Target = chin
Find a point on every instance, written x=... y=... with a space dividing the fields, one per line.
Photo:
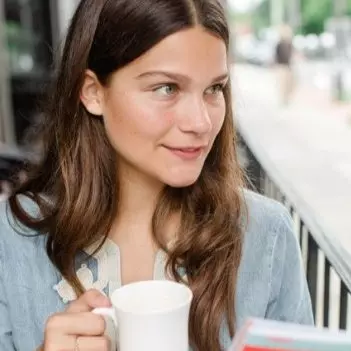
x=181 y=181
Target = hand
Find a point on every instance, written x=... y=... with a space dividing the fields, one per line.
x=78 y=329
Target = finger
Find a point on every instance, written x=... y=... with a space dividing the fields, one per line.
x=60 y=342
x=84 y=323
x=100 y=343
x=88 y=301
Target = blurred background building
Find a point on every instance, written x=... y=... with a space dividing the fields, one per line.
x=298 y=150
x=322 y=35
x=30 y=32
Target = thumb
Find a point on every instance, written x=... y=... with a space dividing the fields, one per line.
x=88 y=301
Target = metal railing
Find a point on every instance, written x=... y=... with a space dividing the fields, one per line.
x=328 y=272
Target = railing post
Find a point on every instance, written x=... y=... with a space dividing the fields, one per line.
x=326 y=296
x=312 y=270
x=253 y=168
x=343 y=306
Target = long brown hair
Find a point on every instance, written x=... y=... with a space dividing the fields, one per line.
x=78 y=174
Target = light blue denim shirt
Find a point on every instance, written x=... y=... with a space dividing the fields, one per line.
x=271 y=282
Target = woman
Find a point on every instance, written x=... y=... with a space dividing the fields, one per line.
x=139 y=180
x=283 y=58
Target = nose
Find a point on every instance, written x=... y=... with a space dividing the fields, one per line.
x=195 y=117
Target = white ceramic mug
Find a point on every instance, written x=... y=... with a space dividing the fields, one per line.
x=149 y=316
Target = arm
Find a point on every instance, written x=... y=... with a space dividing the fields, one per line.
x=289 y=299
x=6 y=343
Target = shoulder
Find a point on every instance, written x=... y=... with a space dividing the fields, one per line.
x=269 y=233
x=15 y=237
x=272 y=264
x=265 y=215
x=267 y=225
x=23 y=251
x=270 y=241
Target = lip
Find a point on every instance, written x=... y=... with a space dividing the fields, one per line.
x=187 y=153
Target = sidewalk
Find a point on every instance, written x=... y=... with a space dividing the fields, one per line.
x=309 y=142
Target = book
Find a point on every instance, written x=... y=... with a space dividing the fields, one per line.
x=265 y=335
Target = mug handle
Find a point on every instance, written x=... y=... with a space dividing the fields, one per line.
x=111 y=329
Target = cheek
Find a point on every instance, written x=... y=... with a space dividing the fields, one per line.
x=151 y=121
x=169 y=117
x=128 y=118
x=217 y=119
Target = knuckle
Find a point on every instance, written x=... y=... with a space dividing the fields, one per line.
x=100 y=324
x=105 y=344
x=53 y=322
x=91 y=294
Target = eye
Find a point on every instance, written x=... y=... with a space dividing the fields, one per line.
x=215 y=89
x=166 y=90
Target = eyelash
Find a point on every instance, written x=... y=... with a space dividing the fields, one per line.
x=166 y=85
x=217 y=87
x=220 y=87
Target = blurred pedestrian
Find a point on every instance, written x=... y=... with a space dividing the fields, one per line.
x=139 y=181
x=283 y=59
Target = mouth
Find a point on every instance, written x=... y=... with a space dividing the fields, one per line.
x=187 y=153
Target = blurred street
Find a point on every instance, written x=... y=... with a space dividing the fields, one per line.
x=318 y=76
x=309 y=141
x=312 y=90
x=309 y=144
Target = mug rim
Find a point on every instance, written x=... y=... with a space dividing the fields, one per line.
x=186 y=301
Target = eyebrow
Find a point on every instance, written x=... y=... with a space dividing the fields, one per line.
x=178 y=76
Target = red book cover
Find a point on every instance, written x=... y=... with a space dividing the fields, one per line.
x=265 y=335
x=258 y=348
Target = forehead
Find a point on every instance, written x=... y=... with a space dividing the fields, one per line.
x=194 y=52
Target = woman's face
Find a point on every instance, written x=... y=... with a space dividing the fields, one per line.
x=163 y=111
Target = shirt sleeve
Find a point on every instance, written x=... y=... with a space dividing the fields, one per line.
x=6 y=342
x=290 y=299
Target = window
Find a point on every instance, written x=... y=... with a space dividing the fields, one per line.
x=27 y=24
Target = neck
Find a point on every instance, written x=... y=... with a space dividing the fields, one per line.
x=138 y=196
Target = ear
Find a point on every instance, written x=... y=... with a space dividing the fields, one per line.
x=91 y=94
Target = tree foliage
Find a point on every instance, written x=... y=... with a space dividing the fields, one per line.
x=314 y=13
